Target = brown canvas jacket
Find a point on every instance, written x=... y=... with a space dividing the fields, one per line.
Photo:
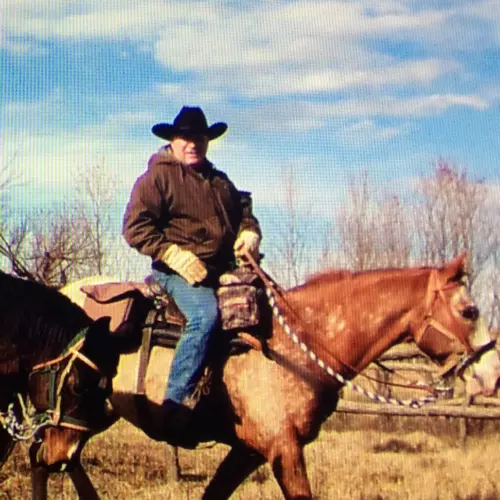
x=171 y=203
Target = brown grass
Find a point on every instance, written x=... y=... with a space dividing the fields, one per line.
x=388 y=459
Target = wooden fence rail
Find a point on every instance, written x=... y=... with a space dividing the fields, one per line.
x=407 y=358
x=450 y=408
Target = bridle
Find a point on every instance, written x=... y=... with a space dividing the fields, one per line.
x=27 y=425
x=58 y=370
x=465 y=355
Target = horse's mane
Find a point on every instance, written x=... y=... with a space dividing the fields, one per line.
x=342 y=286
x=35 y=315
x=338 y=276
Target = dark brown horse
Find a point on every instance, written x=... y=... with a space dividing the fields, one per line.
x=46 y=347
x=267 y=408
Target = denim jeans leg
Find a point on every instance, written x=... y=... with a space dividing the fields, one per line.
x=199 y=306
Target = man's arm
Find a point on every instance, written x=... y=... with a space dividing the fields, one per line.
x=141 y=221
x=249 y=233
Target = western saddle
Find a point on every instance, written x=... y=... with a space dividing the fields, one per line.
x=135 y=307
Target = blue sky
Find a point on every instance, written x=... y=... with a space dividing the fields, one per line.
x=330 y=88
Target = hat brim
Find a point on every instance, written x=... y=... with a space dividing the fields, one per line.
x=168 y=132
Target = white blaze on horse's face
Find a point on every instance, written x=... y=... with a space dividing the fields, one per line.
x=482 y=376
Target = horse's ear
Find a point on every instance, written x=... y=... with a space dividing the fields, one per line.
x=455 y=269
x=98 y=331
x=100 y=326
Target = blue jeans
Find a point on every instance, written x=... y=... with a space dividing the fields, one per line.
x=199 y=306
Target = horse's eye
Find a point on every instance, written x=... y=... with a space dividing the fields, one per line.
x=471 y=313
x=74 y=385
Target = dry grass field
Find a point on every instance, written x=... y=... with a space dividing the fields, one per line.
x=354 y=458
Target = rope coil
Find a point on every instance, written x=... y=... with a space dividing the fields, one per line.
x=25 y=428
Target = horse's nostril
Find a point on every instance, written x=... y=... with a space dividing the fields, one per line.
x=471 y=312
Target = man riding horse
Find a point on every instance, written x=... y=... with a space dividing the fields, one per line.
x=193 y=223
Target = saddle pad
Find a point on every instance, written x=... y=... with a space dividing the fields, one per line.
x=111 y=292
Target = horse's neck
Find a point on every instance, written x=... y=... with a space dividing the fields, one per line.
x=346 y=328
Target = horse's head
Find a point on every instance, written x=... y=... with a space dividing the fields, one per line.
x=452 y=331
x=71 y=393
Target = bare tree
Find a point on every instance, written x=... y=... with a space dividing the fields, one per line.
x=356 y=224
x=52 y=248
x=457 y=215
x=372 y=228
x=95 y=190
x=10 y=241
x=451 y=216
x=59 y=244
x=290 y=259
x=392 y=233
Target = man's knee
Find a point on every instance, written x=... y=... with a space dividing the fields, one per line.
x=205 y=319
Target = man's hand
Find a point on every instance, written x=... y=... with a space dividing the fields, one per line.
x=247 y=241
x=185 y=264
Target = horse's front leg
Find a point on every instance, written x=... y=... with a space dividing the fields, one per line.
x=82 y=482
x=39 y=475
x=289 y=469
x=236 y=466
x=6 y=445
x=39 y=480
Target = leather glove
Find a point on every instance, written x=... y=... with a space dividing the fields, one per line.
x=185 y=264
x=247 y=241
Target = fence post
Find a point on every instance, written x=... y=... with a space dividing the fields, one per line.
x=173 y=463
x=464 y=424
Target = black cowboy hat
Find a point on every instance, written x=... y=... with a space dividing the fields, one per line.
x=189 y=121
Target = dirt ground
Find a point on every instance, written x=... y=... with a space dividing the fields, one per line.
x=354 y=457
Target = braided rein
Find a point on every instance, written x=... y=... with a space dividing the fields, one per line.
x=411 y=403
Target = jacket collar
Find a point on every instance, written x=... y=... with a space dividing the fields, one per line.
x=166 y=153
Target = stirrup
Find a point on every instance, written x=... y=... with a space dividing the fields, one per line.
x=202 y=389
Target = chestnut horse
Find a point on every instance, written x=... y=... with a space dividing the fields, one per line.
x=268 y=407
x=46 y=343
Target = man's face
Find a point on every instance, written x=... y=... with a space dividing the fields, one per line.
x=190 y=150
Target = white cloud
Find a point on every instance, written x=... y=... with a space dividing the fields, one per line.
x=335 y=80
x=419 y=106
x=304 y=115
x=260 y=49
x=128 y=118
x=185 y=93
x=330 y=57
x=367 y=131
x=54 y=160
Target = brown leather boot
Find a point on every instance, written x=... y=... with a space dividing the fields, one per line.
x=177 y=422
